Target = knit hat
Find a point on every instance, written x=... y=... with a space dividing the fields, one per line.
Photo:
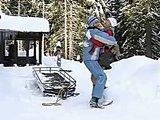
x=113 y=21
x=92 y=20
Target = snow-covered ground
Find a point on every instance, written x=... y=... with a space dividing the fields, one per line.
x=134 y=85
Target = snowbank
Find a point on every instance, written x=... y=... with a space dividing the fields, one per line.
x=134 y=85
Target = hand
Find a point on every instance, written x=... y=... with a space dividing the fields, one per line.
x=88 y=35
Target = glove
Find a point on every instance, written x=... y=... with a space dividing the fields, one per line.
x=88 y=35
x=85 y=44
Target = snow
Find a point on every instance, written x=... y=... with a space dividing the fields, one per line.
x=23 y=24
x=134 y=85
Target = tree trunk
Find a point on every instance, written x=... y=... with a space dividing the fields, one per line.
x=148 y=40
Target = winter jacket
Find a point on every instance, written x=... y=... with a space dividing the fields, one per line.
x=100 y=36
x=97 y=43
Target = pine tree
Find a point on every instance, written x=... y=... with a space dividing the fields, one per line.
x=75 y=26
x=133 y=18
x=115 y=10
x=154 y=16
x=55 y=16
x=136 y=18
x=4 y=7
x=25 y=7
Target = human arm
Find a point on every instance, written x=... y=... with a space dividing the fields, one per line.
x=103 y=37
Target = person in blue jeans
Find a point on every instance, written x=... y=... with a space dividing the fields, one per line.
x=90 y=57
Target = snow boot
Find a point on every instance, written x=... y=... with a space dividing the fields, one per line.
x=95 y=104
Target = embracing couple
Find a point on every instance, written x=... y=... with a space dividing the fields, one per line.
x=99 y=39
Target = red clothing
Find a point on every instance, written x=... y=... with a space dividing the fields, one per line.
x=97 y=43
x=110 y=32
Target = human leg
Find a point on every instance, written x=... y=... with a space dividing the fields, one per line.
x=97 y=71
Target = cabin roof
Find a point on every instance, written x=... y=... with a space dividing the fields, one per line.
x=23 y=24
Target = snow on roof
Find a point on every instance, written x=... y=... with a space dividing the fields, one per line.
x=23 y=24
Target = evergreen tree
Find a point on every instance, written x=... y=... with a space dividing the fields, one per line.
x=115 y=10
x=75 y=26
x=55 y=16
x=136 y=17
x=23 y=7
x=4 y=7
x=154 y=16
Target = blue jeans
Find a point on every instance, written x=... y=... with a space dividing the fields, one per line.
x=98 y=72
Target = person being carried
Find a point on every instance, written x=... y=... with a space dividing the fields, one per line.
x=109 y=25
x=95 y=35
x=110 y=53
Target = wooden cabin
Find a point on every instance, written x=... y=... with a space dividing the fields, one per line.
x=21 y=39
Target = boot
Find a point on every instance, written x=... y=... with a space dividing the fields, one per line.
x=95 y=103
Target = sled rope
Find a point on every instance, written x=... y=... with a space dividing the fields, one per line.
x=59 y=97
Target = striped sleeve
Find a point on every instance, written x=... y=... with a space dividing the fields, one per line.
x=104 y=37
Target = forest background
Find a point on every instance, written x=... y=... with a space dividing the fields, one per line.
x=137 y=33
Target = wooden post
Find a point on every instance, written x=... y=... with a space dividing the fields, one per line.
x=1 y=48
x=40 y=51
x=15 y=51
x=35 y=50
x=27 y=50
